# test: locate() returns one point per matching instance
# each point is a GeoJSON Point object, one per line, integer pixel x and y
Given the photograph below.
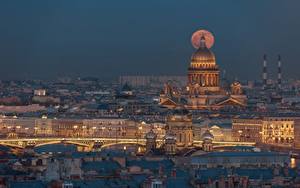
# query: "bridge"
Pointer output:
{"type": "Point", "coordinates": [22, 143]}
{"type": "Point", "coordinates": [89, 143]}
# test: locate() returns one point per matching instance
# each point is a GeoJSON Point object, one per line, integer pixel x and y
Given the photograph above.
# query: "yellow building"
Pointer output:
{"type": "Point", "coordinates": [278, 130]}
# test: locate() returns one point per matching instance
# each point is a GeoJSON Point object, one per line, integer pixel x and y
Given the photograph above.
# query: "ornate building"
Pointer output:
{"type": "Point", "coordinates": [150, 141]}
{"type": "Point", "coordinates": [203, 89]}
{"type": "Point", "coordinates": [180, 125]}
{"type": "Point", "coordinates": [207, 139]}
{"type": "Point", "coordinates": [170, 144]}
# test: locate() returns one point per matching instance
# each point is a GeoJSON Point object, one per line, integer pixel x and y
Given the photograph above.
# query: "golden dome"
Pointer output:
{"type": "Point", "coordinates": [203, 57]}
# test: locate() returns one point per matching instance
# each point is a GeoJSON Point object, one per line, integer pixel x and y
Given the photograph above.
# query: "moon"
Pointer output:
{"type": "Point", "coordinates": [209, 38]}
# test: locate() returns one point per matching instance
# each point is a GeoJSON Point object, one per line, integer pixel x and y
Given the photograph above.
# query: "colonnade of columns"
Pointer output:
{"type": "Point", "coordinates": [208, 80]}
{"type": "Point", "coordinates": [203, 65]}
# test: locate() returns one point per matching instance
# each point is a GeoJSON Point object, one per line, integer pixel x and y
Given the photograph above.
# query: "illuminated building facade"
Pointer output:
{"type": "Point", "coordinates": [180, 125]}
{"type": "Point", "coordinates": [247, 130]}
{"type": "Point", "coordinates": [297, 133]}
{"type": "Point", "coordinates": [269, 130]}
{"type": "Point", "coordinates": [203, 89]}
{"type": "Point", "coordinates": [278, 130]}
{"type": "Point", "coordinates": [106, 127]}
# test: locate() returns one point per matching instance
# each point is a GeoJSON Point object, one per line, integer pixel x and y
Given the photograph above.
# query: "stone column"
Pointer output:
{"type": "Point", "coordinates": [215, 80]}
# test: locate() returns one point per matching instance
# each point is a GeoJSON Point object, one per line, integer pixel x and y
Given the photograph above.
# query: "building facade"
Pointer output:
{"type": "Point", "coordinates": [269, 130]}
{"type": "Point", "coordinates": [180, 125]}
{"type": "Point", "coordinates": [102, 127]}
{"type": "Point", "coordinates": [247, 130]}
{"type": "Point", "coordinates": [297, 133]}
{"type": "Point", "coordinates": [278, 130]}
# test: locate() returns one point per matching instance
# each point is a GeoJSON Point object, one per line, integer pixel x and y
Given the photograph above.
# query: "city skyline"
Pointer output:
{"type": "Point", "coordinates": [50, 39]}
{"type": "Point", "coordinates": [149, 94]}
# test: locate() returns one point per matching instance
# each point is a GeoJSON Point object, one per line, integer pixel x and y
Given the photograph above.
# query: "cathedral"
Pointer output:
{"type": "Point", "coordinates": [203, 90]}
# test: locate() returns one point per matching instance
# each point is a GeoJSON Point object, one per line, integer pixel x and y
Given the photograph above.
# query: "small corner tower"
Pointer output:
{"type": "Point", "coordinates": [207, 139]}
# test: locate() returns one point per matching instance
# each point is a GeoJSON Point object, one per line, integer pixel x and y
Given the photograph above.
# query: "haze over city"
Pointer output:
{"type": "Point", "coordinates": [106, 39]}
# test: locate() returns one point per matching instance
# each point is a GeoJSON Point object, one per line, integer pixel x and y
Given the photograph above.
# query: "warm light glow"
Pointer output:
{"type": "Point", "coordinates": [209, 38]}
{"type": "Point", "coordinates": [75, 126]}
{"type": "Point", "coordinates": [139, 149]}
{"type": "Point", "coordinates": [293, 162]}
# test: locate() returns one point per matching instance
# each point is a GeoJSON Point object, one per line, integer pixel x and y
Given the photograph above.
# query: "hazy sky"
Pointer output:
{"type": "Point", "coordinates": [107, 38]}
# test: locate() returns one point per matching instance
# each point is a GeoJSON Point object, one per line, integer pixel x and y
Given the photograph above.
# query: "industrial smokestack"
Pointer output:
{"type": "Point", "coordinates": [264, 74]}
{"type": "Point", "coordinates": [279, 72]}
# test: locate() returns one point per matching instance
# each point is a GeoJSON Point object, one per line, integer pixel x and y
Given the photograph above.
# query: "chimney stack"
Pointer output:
{"type": "Point", "coordinates": [279, 72]}
{"type": "Point", "coordinates": [265, 74]}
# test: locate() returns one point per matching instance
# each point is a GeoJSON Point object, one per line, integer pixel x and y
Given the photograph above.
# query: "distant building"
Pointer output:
{"type": "Point", "coordinates": [154, 81]}
{"type": "Point", "coordinates": [239, 159]}
{"type": "Point", "coordinates": [39, 92]}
